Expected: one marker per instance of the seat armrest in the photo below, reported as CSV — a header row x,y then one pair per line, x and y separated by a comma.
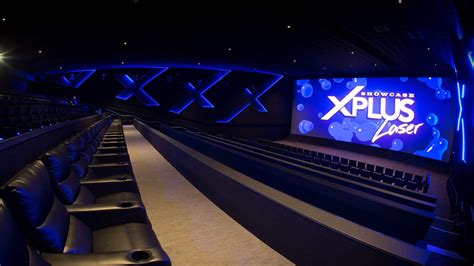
x,y
111,157
108,169
98,216
110,185
156,256
113,149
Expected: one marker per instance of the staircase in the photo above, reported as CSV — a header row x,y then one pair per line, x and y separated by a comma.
x,y
444,243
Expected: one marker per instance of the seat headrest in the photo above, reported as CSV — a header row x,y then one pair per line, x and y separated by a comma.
x,y
57,162
30,193
73,146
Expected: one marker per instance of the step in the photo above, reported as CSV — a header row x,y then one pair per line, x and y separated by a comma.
x,y
444,224
443,257
442,238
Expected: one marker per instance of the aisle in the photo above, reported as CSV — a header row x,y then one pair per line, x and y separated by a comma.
x,y
191,229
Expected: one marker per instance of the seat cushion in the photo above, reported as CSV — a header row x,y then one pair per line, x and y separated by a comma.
x,y
119,197
84,197
79,238
124,237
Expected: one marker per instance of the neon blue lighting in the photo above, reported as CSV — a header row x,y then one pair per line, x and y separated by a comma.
x,y
76,80
463,90
463,144
252,99
135,87
197,94
471,58
460,106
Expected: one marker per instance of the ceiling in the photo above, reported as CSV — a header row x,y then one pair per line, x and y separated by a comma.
x,y
388,37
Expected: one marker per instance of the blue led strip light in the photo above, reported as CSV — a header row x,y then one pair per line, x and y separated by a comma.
x,y
197,94
76,79
135,87
460,124
471,58
252,99
460,106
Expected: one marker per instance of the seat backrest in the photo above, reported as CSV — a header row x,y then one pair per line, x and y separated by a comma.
x,y
29,195
65,181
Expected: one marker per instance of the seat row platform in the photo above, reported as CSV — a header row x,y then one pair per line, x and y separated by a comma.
x,y
78,204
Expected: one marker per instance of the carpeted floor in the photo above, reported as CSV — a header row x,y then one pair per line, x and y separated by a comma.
x,y
191,229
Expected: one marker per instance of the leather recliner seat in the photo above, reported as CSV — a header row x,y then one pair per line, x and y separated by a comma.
x,y
98,233
72,191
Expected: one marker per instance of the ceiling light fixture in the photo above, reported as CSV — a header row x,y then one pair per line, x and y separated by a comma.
x,y
4,19
40,51
288,26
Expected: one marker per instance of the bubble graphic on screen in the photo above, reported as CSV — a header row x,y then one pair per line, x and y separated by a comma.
x,y
300,107
338,80
305,126
439,93
356,82
321,80
306,90
350,85
366,131
432,119
355,127
435,149
446,94
435,133
403,79
397,145
326,85
434,83
340,132
347,123
320,115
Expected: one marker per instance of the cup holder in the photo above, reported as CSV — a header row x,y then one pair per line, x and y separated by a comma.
x,y
140,255
122,177
125,204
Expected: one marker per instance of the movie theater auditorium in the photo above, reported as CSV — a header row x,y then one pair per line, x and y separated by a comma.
x,y
133,132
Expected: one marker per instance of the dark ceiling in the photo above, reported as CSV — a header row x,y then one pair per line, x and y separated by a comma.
x,y
298,38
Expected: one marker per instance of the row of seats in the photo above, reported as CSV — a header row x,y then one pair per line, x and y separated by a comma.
x,y
359,168
19,119
78,204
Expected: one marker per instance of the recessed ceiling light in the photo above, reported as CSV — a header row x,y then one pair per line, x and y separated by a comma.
x,y
229,49
288,26
122,62
375,64
352,52
4,19
294,60
399,1
435,64
199,63
428,48
40,51
125,43
60,67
